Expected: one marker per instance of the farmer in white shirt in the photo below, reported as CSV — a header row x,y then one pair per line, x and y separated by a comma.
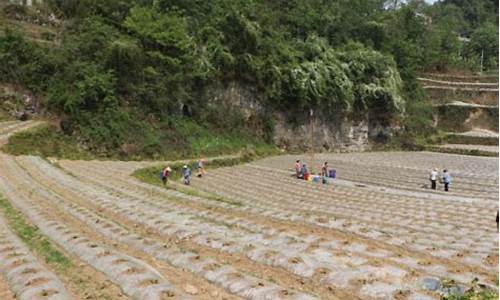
x,y
433,177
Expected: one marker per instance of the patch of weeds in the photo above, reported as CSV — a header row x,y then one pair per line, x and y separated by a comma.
x,y
475,291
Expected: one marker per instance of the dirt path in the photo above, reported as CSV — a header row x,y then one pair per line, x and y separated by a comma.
x,y
7,129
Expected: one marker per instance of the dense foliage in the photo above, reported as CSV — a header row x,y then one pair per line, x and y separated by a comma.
x,y
122,68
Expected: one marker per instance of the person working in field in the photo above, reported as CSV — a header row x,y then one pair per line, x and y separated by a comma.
x,y
433,177
324,173
446,180
324,169
201,168
298,168
304,172
186,175
164,174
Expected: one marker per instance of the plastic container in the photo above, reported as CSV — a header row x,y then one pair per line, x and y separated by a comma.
x,y
332,173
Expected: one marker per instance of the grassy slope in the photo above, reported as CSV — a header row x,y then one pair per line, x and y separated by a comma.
x,y
185,141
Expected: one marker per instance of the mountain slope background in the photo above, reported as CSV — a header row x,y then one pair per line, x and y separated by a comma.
x,y
148,79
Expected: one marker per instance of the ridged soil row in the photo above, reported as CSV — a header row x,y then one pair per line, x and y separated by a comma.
x,y
480,239
404,178
199,235
151,250
460,165
407,228
360,199
412,263
309,244
407,176
82,281
332,219
27,278
241,284
374,200
135,278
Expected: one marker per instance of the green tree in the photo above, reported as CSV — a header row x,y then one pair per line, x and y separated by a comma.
x,y
484,41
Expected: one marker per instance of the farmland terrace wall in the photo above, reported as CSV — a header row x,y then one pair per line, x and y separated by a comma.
x,y
463,102
446,94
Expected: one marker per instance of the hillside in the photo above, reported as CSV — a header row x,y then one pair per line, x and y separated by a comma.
x,y
465,112
132,79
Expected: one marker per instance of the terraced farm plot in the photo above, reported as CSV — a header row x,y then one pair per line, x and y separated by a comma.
x,y
255,232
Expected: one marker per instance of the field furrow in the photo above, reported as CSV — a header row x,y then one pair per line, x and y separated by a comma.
x,y
27,278
289,252
136,278
215,271
394,224
232,222
464,184
268,206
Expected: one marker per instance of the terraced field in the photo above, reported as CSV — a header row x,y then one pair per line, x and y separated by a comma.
x,y
253,231
467,108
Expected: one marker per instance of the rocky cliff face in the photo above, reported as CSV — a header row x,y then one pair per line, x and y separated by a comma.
x,y
329,135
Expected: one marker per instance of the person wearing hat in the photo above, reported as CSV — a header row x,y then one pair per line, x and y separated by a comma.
x,y
433,177
186,174
165,174
446,180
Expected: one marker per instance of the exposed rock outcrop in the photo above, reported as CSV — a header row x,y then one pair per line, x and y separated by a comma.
x,y
293,133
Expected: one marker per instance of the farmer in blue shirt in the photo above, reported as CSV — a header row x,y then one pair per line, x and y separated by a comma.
x,y
186,174
446,179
